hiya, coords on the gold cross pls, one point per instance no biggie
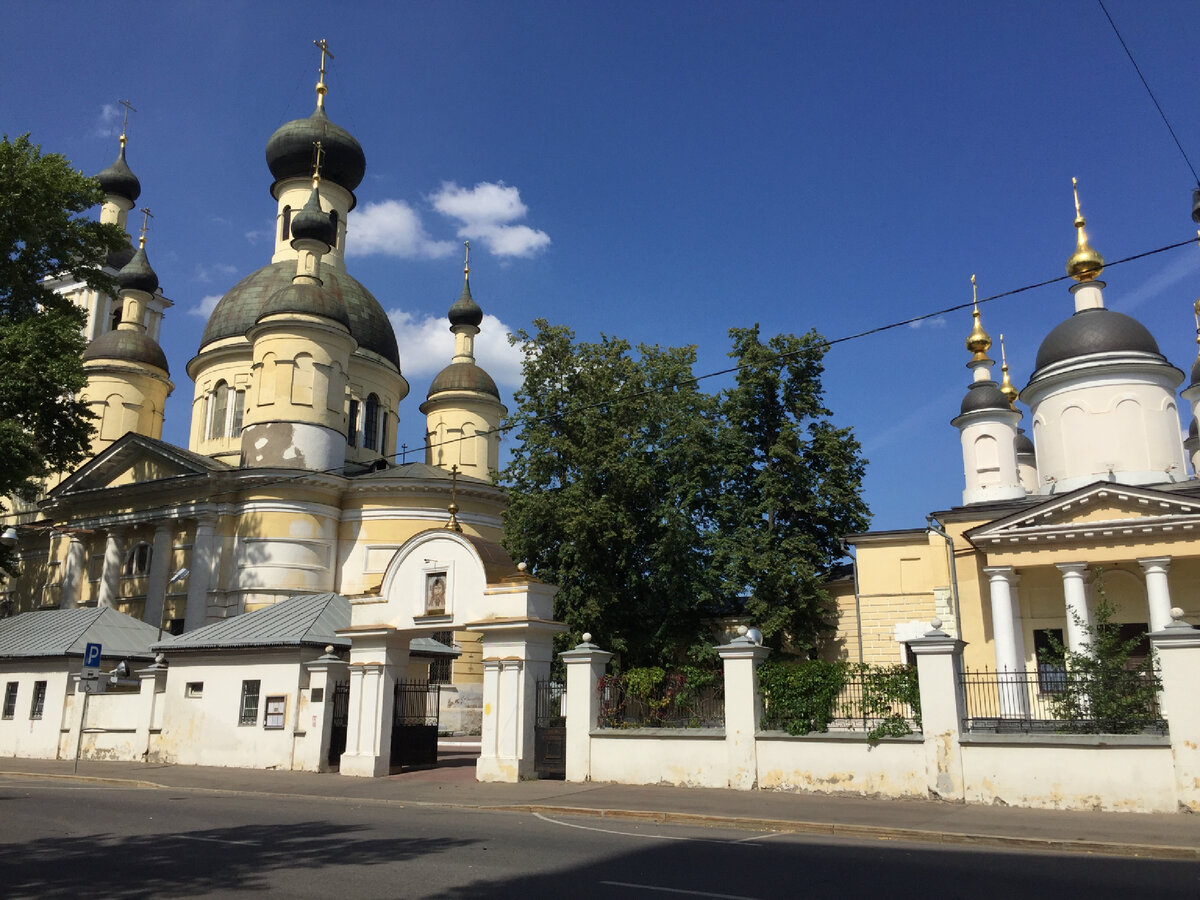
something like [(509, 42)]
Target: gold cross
[(467, 261), (125, 121), (146, 217), (318, 154), (453, 507), (324, 47)]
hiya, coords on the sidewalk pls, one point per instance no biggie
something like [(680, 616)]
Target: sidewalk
[(1161, 836)]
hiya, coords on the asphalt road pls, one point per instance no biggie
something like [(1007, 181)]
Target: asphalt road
[(92, 840)]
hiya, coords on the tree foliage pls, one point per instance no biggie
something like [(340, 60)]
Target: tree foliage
[(655, 506), (43, 426)]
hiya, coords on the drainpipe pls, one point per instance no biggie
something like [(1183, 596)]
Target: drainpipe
[(932, 526), (857, 602)]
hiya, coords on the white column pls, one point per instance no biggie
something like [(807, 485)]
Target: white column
[(1177, 647), (740, 659), (939, 659), (156, 584), (376, 657), (1079, 616), (74, 573), (1009, 642), (110, 576), (585, 668), (196, 614), (1158, 591)]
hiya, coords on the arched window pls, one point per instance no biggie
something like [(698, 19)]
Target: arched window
[(138, 560), (333, 217), (286, 222), (371, 425), (218, 411), (116, 317), (239, 412), (352, 424)]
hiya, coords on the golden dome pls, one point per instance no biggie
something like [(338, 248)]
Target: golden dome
[(1085, 264)]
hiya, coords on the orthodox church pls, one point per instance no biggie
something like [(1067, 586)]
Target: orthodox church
[(289, 483), (1100, 499)]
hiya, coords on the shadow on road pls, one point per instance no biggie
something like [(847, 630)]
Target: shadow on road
[(226, 859)]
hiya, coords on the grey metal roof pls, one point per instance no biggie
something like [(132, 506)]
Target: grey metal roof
[(1095, 331), (301, 620), (65, 632)]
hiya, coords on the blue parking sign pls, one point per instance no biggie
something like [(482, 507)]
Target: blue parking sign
[(91, 656)]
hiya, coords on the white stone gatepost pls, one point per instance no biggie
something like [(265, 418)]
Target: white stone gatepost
[(516, 654), (153, 684), (324, 673), (377, 657), (585, 667), (939, 661), (1177, 648), (741, 658)]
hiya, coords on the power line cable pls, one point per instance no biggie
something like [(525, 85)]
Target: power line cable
[(1146, 84), (779, 357)]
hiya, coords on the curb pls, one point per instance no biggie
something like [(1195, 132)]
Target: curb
[(93, 779)]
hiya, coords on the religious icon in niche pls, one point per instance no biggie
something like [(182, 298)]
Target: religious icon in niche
[(435, 592)]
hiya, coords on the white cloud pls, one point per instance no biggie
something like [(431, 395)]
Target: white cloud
[(426, 346), (487, 213), (392, 228), (206, 305), (109, 123), (206, 273), (935, 322)]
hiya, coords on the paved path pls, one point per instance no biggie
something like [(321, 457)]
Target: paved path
[(1160, 835)]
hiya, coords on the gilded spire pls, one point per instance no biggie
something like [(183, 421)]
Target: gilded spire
[(978, 340), (453, 507), (1085, 264), (321, 89), (1006, 385)]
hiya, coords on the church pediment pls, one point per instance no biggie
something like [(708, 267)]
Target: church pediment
[(1104, 512), (135, 459)]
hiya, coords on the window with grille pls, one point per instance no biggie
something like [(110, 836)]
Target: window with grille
[(38, 704), (249, 708), (10, 700), (352, 425), (441, 668), (371, 424)]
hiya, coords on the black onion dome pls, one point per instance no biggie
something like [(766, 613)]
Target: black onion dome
[(129, 346), (136, 275), (463, 376), (1023, 444), (1092, 331), (290, 151), (244, 303), (984, 395), (119, 179), (312, 223), (306, 298), (465, 310), (1195, 373), (119, 259)]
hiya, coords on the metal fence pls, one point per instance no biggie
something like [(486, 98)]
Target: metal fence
[(672, 704), (1053, 700), (854, 710)]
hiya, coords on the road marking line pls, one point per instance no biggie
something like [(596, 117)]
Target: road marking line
[(212, 840), (667, 890), (658, 837)]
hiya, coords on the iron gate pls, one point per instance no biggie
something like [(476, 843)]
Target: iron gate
[(550, 731), (341, 717), (415, 724)]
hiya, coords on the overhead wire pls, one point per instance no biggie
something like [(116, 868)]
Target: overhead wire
[(826, 343)]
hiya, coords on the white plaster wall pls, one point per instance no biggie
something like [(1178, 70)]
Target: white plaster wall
[(1084, 776), (34, 738), (110, 731), (650, 756), (834, 764), (204, 731)]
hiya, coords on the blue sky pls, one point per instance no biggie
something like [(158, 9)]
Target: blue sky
[(664, 172)]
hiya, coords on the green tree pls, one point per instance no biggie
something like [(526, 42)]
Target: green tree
[(655, 506), (43, 426), (790, 486), (1105, 689), (609, 485)]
